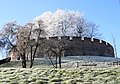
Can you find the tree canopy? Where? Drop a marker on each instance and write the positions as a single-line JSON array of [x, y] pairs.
[[67, 23]]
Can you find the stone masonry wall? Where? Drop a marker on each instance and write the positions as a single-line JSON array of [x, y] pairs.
[[86, 47]]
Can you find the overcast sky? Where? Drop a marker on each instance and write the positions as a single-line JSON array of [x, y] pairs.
[[105, 13]]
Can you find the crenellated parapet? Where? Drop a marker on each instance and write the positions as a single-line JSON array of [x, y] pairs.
[[83, 46], [78, 46]]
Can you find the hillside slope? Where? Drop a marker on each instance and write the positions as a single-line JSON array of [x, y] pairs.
[[86, 75]]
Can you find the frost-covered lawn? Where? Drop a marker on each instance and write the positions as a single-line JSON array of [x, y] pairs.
[[43, 73], [84, 75], [69, 61]]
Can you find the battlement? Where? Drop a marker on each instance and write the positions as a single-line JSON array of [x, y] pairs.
[[84, 39], [79, 46], [86, 46]]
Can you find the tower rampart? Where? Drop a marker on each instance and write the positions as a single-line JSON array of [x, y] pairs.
[[83, 46]]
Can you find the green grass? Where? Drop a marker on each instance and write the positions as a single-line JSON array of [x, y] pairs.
[[43, 73], [86, 75]]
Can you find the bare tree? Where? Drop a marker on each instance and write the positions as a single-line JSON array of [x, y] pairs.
[[28, 44], [87, 29], [115, 47], [20, 39], [68, 23], [23, 41], [50, 51], [81, 27], [7, 36], [93, 30], [58, 48], [39, 31]]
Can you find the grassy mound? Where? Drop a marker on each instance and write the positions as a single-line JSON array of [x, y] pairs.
[[84, 75], [43, 73]]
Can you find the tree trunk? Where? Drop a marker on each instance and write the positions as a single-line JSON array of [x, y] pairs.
[[60, 61], [35, 51], [27, 56], [49, 56], [56, 61], [24, 63], [52, 62], [31, 59], [23, 60]]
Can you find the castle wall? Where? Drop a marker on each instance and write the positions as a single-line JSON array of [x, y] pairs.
[[86, 46], [77, 47]]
